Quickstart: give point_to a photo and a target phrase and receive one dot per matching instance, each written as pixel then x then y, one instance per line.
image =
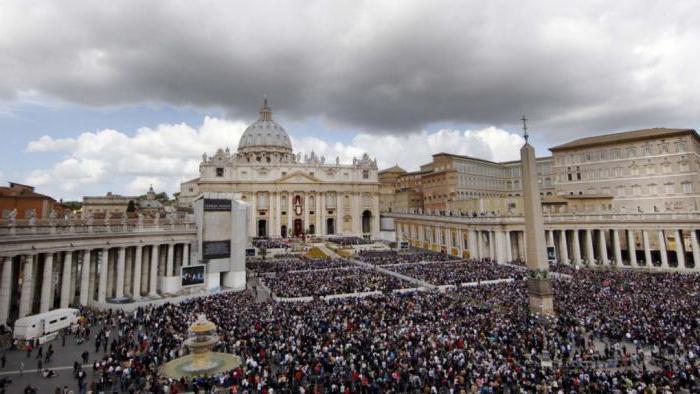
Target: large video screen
pixel 192 275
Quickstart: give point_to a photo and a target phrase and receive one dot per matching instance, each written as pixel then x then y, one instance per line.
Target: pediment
pixel 298 177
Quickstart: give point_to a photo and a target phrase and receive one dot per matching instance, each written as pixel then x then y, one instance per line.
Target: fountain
pixel 201 361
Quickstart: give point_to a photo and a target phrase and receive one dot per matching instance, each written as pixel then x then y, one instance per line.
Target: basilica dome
pixel 265 135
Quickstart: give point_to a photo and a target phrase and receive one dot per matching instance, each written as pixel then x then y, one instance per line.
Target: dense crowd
pixel 473 339
pixel 296 263
pixel 456 273
pixel 613 332
pixel 318 283
pixel 388 257
pixel 347 241
pixel 268 243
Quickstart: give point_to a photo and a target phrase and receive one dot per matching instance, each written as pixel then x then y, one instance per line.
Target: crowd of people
pixel 319 283
pixel 614 331
pixel 388 257
pixel 348 241
pixel 296 263
pixel 458 272
pixel 473 339
pixel 268 243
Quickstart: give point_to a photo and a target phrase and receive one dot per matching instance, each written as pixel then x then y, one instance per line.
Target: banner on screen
pixel 192 275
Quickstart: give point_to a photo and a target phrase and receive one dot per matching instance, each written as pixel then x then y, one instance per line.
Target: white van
pixel 39 325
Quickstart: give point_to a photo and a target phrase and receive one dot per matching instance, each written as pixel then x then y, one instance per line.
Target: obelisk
pixel 539 286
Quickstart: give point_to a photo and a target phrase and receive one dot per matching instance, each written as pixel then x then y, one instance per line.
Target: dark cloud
pixel 377 66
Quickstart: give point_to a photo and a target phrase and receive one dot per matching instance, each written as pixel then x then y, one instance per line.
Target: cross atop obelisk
pixel 525 135
pixel 539 287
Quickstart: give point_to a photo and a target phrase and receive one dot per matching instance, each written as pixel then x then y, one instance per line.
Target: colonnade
pixel 664 248
pixel 40 282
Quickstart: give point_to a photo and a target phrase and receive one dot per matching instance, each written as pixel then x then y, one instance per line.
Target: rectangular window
pixel 219 171
pixel 687 187
pixel 365 174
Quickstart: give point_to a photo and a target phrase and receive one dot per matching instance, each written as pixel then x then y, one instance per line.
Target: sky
pixel 118 96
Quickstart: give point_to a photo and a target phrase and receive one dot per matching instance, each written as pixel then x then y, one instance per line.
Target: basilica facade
pixel 291 194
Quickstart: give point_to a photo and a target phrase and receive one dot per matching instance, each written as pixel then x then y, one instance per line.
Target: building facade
pixel 21 202
pixel 291 195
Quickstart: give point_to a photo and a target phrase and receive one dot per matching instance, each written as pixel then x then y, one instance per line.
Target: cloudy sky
pixel 114 96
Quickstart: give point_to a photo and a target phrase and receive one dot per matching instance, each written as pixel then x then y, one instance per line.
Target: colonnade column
pixel 509 247
pixel 563 248
pixel 647 249
pixel 696 249
pixel 492 244
pixel 500 247
pixel 25 298
pixel 590 257
pixel 46 284
pixel 104 265
pixel 617 250
pixel 632 248
pixel 550 238
pixel 152 291
pixel 136 282
pixel 253 229
pixel 5 289
pixel 85 279
pixel 680 251
pixel 121 256
pixel 479 246
pixel 169 263
pixel 472 244
pixel 602 247
pixel 576 247
pixel 662 249
pixel 65 279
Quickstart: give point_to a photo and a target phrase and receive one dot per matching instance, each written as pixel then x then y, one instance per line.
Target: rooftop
pixel 625 136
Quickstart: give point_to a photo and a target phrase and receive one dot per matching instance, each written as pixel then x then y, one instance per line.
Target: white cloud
pixel 110 160
pixel 412 150
pixel 48 144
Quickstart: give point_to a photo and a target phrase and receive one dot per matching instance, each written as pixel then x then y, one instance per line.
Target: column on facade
pixel 563 248
pixel 26 297
pixel 317 214
pixel 340 213
pixel 680 250
pixel 136 282
pixel 253 229
pixel 271 214
pixel 47 284
pixel 662 249
pixel 128 272
pixel 153 277
pixel 521 246
pixel 576 244
pixel 306 206
pixel 356 218
pixel 696 249
pixel 104 266
pixel 647 248
pixel 290 210
pixel 632 248
pixel 590 257
pixel 85 278
pixel 278 213
pixel 509 246
pixel 492 244
pixel 323 213
pixel 617 249
pixel 65 279
pixel 550 238
pixel 5 288
pixel 602 247
pixel 187 254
